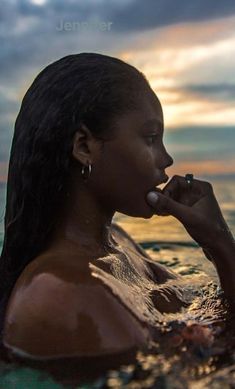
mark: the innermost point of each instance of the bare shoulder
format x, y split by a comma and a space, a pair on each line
160, 273
54, 317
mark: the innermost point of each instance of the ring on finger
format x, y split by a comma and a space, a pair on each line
189, 179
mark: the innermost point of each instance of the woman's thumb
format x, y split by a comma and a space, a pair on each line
165, 205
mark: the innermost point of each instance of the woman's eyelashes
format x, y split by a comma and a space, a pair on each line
152, 138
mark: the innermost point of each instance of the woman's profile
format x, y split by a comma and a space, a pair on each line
88, 142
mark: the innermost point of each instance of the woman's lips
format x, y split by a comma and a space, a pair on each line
163, 181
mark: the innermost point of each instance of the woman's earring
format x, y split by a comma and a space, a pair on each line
85, 177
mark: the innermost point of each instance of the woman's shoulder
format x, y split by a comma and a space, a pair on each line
56, 314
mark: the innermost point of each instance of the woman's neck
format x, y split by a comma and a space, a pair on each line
84, 222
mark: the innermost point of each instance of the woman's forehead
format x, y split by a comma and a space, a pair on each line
145, 117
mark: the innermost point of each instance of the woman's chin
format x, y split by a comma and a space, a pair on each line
150, 212
146, 213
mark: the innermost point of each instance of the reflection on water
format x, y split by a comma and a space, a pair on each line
194, 347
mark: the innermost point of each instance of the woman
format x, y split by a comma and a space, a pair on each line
88, 143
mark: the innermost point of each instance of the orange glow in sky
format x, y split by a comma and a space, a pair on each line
179, 57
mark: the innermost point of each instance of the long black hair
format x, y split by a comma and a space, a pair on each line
87, 88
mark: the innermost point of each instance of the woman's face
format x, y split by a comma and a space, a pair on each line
132, 163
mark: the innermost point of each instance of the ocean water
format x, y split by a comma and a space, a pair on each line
204, 358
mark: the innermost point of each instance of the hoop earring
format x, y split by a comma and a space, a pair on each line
85, 178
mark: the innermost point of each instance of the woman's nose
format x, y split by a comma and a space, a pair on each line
168, 160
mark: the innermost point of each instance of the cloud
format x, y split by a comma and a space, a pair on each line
201, 143
201, 150
203, 168
127, 15
198, 104
30, 38
185, 48
197, 112
191, 69
220, 91
144, 15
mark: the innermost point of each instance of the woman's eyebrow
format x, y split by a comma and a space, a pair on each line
152, 124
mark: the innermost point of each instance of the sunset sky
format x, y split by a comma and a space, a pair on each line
186, 49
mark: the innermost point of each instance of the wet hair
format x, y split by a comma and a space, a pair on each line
88, 88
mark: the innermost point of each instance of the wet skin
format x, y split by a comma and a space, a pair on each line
75, 307
57, 307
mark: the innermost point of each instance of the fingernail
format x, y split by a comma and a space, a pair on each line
152, 198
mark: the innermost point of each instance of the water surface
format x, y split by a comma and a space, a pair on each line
195, 347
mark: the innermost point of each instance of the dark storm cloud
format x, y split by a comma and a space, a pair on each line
125, 14
143, 15
29, 36
219, 91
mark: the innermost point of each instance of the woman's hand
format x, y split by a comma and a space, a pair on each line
198, 210
195, 207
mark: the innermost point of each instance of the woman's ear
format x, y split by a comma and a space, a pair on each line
83, 145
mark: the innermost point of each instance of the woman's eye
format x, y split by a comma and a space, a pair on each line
152, 138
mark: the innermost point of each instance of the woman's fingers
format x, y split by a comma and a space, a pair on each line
178, 184
171, 189
194, 222
188, 194
197, 209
